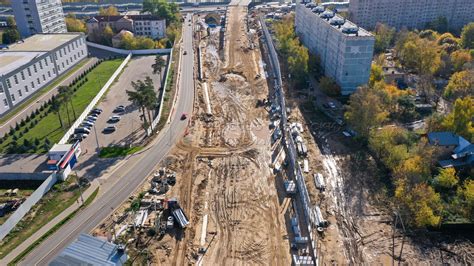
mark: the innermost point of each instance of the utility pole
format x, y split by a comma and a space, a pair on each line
96, 137
80, 187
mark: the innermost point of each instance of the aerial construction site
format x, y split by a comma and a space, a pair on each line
230, 193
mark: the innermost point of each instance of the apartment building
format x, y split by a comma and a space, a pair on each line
413, 14
39, 16
141, 25
345, 49
35, 62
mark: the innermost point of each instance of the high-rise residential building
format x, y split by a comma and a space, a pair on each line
345, 50
413, 14
39, 16
35, 62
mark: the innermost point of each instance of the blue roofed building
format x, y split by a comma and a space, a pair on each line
89, 250
461, 151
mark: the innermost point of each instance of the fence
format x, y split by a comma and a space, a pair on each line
155, 122
25, 207
95, 100
126, 52
295, 169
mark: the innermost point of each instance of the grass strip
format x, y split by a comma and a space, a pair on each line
54, 229
115, 151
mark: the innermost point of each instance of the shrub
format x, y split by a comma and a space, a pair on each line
32, 124
20, 134
36, 113
26, 130
37, 141
26, 143
28, 118
17, 127
12, 131
14, 137
47, 141
22, 123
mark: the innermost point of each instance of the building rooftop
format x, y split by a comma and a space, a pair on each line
89, 250
116, 18
343, 25
42, 42
13, 60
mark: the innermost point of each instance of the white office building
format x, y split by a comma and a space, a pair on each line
345, 50
413, 14
39, 16
28, 66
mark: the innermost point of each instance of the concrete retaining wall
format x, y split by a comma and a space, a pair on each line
24, 208
155, 122
95, 100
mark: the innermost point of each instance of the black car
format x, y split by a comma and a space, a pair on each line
109, 129
96, 111
119, 109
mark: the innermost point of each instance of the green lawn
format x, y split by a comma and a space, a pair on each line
41, 92
60, 197
49, 126
112, 152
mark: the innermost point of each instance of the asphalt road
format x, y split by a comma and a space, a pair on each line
132, 173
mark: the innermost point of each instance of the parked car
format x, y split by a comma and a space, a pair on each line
114, 119
332, 105
93, 118
96, 111
119, 109
86, 125
81, 130
185, 53
109, 129
94, 115
80, 136
184, 116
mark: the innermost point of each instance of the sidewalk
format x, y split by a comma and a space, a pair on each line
25, 244
4, 128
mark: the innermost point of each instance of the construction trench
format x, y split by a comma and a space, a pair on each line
230, 179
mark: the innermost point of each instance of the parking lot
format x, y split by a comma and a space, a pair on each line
129, 130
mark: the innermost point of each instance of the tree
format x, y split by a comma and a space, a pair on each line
376, 74
64, 97
298, 63
447, 178
329, 86
10, 35
56, 107
429, 34
365, 111
143, 96
106, 36
461, 84
421, 204
460, 119
420, 55
390, 145
440, 24
467, 36
459, 59
159, 64
163, 9
75, 25
384, 36
109, 11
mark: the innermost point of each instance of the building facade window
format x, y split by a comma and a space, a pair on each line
9, 85
26, 88
29, 71
5, 102
35, 69
16, 79
13, 97
22, 75
19, 93
32, 84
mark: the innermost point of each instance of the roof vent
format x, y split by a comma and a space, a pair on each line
337, 21
327, 14
350, 30
318, 9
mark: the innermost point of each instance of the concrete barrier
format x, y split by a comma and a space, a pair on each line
25, 207
95, 100
294, 167
126, 52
